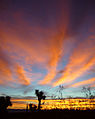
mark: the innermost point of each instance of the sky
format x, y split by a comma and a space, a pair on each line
45, 44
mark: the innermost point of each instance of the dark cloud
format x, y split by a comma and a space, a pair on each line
3, 5
3, 94
4, 56
28, 89
81, 12
23, 97
50, 12
5, 66
61, 71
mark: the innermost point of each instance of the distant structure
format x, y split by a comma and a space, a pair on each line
4, 103
32, 107
27, 108
40, 95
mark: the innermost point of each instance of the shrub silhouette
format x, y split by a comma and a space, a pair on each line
4, 103
40, 95
32, 107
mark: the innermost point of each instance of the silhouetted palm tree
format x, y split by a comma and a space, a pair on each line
40, 95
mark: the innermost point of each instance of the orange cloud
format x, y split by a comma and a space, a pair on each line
7, 76
93, 85
5, 69
22, 78
81, 61
19, 48
36, 44
49, 77
85, 82
55, 52
44, 47
46, 54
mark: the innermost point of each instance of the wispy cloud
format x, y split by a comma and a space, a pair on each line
89, 82
25, 50
56, 53
81, 61
40, 43
22, 78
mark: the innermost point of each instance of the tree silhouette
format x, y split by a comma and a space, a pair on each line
4, 103
60, 90
32, 107
40, 95
87, 92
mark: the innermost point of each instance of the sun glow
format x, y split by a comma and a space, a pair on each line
80, 104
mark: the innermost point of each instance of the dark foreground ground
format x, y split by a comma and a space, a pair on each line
51, 114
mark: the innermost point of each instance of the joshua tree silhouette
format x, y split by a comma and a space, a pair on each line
4, 103
40, 95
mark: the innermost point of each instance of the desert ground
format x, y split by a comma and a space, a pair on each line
51, 114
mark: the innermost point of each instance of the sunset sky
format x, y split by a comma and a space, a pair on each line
44, 44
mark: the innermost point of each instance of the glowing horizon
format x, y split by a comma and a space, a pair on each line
45, 44
81, 104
